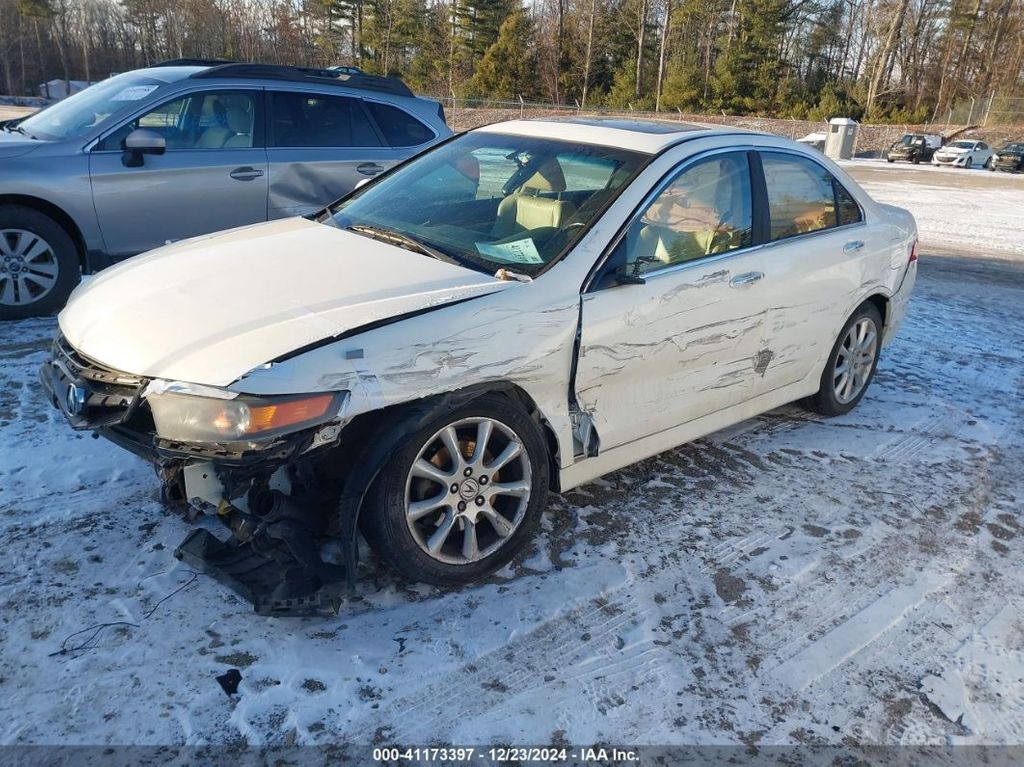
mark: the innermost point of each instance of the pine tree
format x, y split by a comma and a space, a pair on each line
508, 67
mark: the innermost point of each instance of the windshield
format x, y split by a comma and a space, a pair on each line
963, 144
1015, 147
88, 109
491, 201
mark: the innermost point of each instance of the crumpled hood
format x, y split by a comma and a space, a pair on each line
210, 309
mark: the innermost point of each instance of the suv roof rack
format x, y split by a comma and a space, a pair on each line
192, 63
307, 75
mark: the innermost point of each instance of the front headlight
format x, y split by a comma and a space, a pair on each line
183, 414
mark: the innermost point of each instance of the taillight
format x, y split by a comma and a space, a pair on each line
913, 253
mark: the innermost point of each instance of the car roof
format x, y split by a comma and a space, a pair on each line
648, 136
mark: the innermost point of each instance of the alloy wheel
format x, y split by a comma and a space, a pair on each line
468, 490
28, 267
855, 360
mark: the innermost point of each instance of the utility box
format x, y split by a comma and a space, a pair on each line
842, 138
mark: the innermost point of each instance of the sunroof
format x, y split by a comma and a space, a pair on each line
639, 126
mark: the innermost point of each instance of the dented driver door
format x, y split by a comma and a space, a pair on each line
688, 339
684, 344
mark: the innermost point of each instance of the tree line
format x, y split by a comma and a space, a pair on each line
898, 60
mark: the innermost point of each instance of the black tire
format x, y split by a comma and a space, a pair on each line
826, 402
889, 159
916, 160
383, 518
969, 164
65, 254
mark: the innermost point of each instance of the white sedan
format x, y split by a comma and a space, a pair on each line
966, 153
522, 309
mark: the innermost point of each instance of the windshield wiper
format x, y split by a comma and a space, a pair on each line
16, 128
405, 240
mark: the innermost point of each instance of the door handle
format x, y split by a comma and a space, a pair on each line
853, 246
369, 168
246, 173
742, 280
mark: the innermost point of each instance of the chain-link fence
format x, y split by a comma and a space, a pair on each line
1005, 110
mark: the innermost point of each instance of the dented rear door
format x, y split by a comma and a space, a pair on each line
320, 146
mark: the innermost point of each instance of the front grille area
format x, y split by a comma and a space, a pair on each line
110, 395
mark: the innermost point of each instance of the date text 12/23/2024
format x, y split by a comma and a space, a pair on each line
503, 754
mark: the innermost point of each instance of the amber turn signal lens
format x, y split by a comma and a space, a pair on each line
283, 414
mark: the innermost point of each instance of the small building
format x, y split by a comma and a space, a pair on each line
841, 142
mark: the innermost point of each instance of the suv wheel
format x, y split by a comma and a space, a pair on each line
38, 263
463, 496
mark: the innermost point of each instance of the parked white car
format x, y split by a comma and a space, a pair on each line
966, 153
524, 308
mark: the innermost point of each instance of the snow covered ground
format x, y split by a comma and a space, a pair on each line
789, 580
959, 212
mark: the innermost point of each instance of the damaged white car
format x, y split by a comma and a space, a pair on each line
519, 310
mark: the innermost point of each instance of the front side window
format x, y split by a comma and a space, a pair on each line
705, 210
204, 120
489, 201
314, 120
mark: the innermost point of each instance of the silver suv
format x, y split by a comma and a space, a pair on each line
182, 149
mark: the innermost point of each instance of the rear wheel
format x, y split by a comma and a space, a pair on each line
38, 263
463, 496
851, 365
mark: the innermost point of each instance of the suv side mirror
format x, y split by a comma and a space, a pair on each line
140, 142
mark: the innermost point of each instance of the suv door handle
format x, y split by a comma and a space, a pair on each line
742, 280
369, 168
245, 173
853, 246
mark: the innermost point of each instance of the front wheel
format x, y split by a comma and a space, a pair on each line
463, 496
968, 164
851, 365
38, 263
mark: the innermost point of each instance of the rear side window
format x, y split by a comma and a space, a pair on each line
316, 120
583, 173
804, 197
399, 127
849, 210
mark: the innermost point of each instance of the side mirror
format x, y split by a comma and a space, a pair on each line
629, 274
141, 142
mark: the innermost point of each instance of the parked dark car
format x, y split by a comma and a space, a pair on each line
1010, 158
183, 149
914, 147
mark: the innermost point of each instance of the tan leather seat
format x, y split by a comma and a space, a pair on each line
672, 247
525, 209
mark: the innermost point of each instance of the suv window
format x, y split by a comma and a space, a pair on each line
316, 120
705, 210
205, 120
804, 197
399, 127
